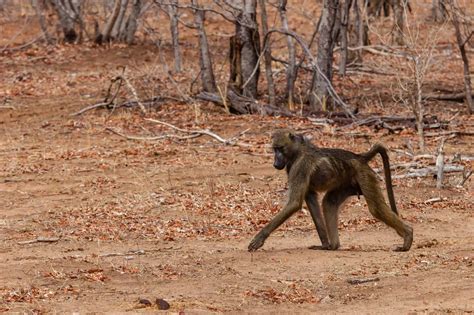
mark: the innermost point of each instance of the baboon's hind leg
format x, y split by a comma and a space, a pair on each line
379, 209
331, 203
318, 219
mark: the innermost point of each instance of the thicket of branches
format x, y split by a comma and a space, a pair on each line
342, 27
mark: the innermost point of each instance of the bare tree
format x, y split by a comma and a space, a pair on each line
39, 8
128, 33
291, 69
107, 32
346, 5
357, 33
319, 93
245, 51
267, 54
375, 7
175, 34
120, 21
438, 10
398, 7
66, 11
462, 41
207, 73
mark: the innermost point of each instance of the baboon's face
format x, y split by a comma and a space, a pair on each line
284, 143
280, 160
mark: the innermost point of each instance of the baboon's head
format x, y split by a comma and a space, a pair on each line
286, 145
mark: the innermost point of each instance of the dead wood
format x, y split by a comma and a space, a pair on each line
360, 281
448, 133
160, 137
430, 171
40, 239
465, 176
455, 97
201, 132
243, 105
129, 253
388, 122
109, 105
434, 200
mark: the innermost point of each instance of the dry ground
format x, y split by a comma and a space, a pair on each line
172, 219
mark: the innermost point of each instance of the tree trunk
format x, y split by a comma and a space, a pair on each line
357, 34
462, 48
38, 6
175, 34
244, 52
250, 49
120, 20
63, 10
319, 93
375, 7
438, 11
207, 73
398, 7
346, 5
268, 55
132, 23
291, 69
106, 34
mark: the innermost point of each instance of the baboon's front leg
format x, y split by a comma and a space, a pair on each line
294, 204
318, 219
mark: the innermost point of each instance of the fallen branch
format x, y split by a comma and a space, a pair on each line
455, 97
40, 239
436, 199
397, 166
7, 107
107, 102
430, 171
448, 133
360, 281
243, 105
129, 253
383, 122
147, 102
150, 138
465, 176
200, 132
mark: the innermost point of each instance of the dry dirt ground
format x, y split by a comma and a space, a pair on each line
92, 222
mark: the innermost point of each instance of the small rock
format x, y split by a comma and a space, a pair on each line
162, 304
144, 302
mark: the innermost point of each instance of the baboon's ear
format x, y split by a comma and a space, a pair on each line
298, 138
291, 136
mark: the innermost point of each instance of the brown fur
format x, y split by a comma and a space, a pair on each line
340, 174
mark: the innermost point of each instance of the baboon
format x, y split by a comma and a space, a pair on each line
340, 174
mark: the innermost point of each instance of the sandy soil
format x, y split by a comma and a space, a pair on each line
129, 220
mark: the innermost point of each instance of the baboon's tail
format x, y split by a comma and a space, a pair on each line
379, 148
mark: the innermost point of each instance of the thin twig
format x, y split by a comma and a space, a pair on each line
134, 92
150, 138
200, 131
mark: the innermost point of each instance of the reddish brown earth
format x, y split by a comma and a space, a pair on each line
172, 219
